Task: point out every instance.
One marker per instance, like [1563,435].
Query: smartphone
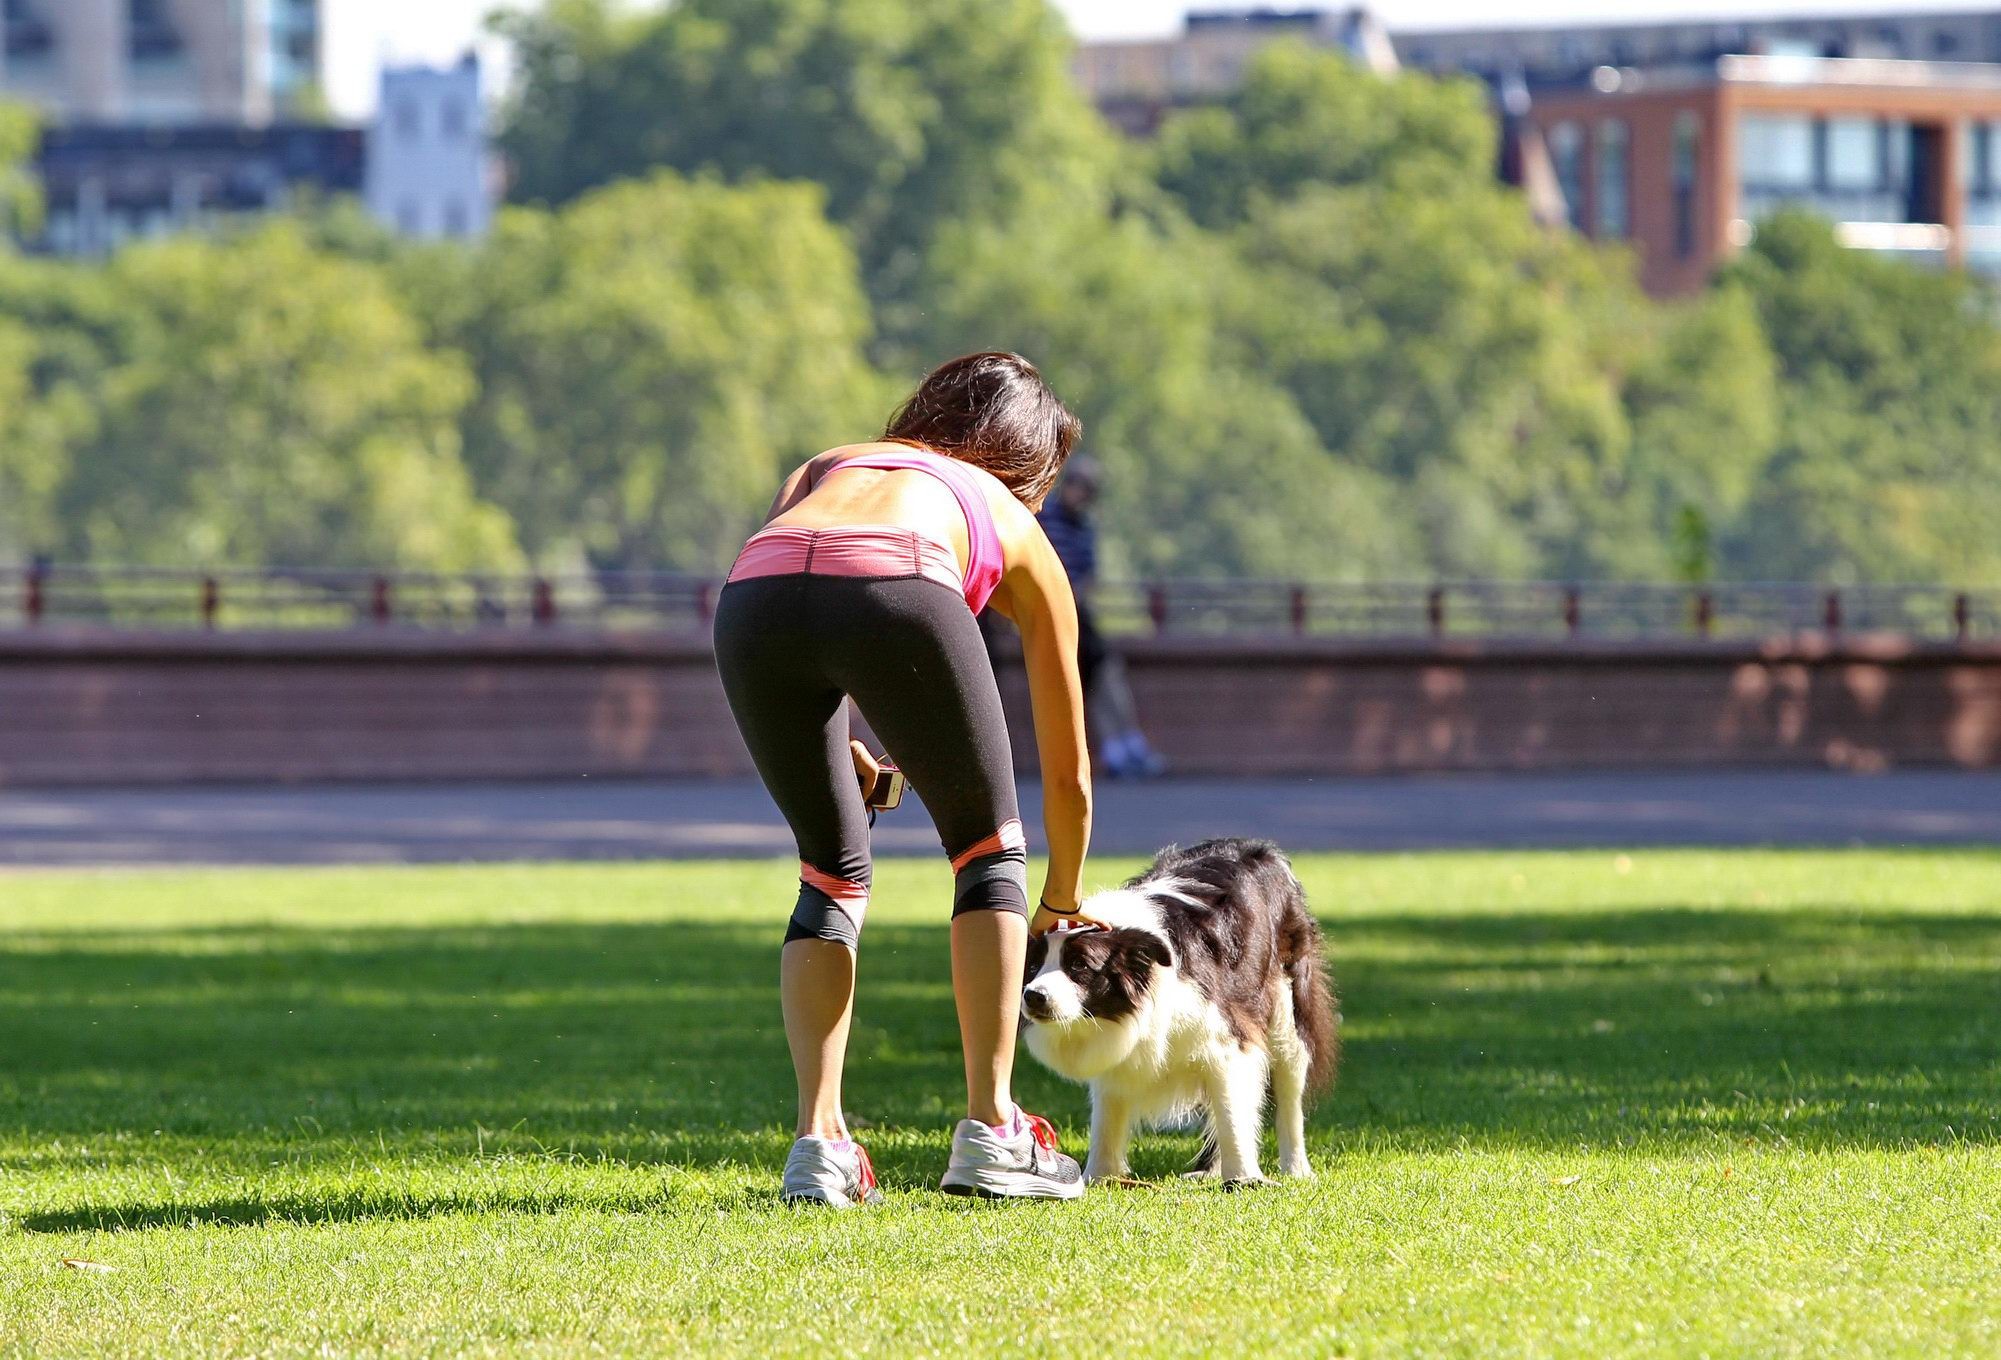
[888,790]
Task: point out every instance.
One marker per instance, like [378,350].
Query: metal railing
[32,597]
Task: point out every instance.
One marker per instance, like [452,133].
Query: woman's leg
[939,711]
[795,724]
[816,987]
[987,952]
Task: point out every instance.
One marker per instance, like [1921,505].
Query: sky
[361,34]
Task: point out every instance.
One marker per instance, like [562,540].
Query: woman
[863,585]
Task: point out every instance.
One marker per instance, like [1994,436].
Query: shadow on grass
[659,1044]
[330,1208]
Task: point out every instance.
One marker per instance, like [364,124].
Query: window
[1854,156]
[409,120]
[1776,150]
[1684,174]
[1566,154]
[29,36]
[151,35]
[1611,198]
[454,120]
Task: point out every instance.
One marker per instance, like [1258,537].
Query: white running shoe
[1023,1165]
[826,1171]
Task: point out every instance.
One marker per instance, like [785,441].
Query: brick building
[1677,136]
[1904,156]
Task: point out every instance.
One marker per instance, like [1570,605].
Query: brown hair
[992,410]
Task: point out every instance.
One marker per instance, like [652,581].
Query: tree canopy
[1309,334]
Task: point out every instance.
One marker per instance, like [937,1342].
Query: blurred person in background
[1066,518]
[864,585]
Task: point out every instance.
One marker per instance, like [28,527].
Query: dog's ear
[1145,947]
[1038,951]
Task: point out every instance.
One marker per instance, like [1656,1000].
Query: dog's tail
[1315,1009]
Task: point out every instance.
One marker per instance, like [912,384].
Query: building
[241,62]
[1554,54]
[1678,137]
[423,167]
[430,172]
[1135,84]
[106,186]
[1904,156]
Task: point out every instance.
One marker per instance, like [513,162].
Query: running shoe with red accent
[1021,1162]
[831,1172]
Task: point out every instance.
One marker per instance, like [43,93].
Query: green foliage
[20,191]
[258,401]
[1307,332]
[1888,465]
[1305,117]
[910,116]
[651,361]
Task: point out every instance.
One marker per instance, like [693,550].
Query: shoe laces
[1043,1130]
[867,1174]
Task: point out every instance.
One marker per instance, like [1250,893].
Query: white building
[430,172]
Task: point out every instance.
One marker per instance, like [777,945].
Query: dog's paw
[1112,1174]
[1301,1170]
[1244,1183]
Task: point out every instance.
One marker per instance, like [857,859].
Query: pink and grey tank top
[887,550]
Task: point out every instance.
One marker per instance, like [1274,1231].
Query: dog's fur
[1207,980]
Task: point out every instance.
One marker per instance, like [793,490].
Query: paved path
[609,820]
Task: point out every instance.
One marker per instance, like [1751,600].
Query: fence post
[211,601]
[705,603]
[1573,610]
[379,604]
[1705,613]
[1156,606]
[1962,617]
[34,598]
[1299,610]
[1434,611]
[543,608]
[1831,612]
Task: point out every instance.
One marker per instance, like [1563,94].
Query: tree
[1305,116]
[1888,465]
[1212,469]
[20,190]
[651,360]
[1704,405]
[265,403]
[909,116]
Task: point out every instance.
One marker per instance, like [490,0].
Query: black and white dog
[1203,978]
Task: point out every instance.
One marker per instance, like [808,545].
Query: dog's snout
[1035,1005]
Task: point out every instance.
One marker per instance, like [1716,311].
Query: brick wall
[106,708]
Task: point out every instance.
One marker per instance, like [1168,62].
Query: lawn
[1684,1104]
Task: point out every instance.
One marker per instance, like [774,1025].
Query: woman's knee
[992,874]
[830,907]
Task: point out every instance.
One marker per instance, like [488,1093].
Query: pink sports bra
[874,550]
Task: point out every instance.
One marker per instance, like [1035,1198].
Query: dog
[1194,985]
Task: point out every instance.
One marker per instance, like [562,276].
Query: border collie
[1196,982]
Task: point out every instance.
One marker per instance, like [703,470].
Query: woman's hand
[1048,918]
[867,768]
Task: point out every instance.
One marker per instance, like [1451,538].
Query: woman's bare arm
[796,488]
[1035,593]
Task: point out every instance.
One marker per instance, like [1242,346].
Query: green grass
[1722,1104]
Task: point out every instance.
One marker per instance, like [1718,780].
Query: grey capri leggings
[792,649]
